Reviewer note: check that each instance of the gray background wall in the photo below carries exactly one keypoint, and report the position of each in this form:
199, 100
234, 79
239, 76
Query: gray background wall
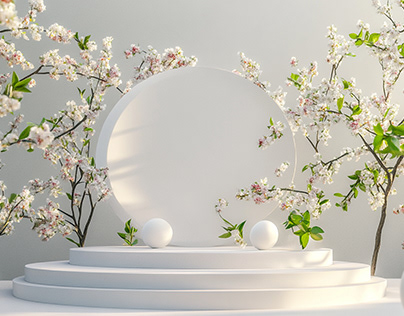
268, 31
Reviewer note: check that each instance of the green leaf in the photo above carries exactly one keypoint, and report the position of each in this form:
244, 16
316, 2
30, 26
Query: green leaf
122, 235
340, 103
305, 168
81, 92
377, 142
362, 186
86, 142
305, 226
375, 175
353, 177
74, 242
378, 129
294, 77
345, 207
88, 129
306, 216
127, 226
25, 133
225, 235
22, 83
127, 242
22, 89
69, 196
240, 227
398, 130
346, 84
92, 162
374, 37
30, 150
339, 195
317, 230
394, 144
304, 240
316, 237
367, 35
353, 35
358, 42
134, 242
227, 222
296, 219
14, 79
355, 191
356, 110
324, 201
288, 225
299, 232
81, 45
12, 198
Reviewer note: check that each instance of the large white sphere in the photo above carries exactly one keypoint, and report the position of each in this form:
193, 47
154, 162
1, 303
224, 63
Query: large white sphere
264, 235
157, 233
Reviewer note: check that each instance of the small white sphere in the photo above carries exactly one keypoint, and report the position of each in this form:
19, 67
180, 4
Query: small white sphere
157, 233
264, 235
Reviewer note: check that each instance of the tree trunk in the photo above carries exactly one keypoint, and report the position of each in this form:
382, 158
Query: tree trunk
378, 239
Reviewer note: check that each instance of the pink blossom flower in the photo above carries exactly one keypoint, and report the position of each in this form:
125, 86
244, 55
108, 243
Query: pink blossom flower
41, 135
59, 33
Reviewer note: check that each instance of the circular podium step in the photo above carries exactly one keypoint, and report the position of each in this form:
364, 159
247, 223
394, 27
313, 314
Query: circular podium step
199, 258
222, 278
202, 299
61, 273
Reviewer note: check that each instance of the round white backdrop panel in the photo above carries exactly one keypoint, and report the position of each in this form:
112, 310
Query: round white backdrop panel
181, 140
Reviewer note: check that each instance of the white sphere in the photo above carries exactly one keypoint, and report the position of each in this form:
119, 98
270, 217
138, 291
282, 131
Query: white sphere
264, 235
157, 233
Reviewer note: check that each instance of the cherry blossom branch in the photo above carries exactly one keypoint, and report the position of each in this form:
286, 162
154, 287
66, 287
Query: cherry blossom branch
72, 128
92, 207
377, 158
334, 159
37, 71
312, 144
293, 190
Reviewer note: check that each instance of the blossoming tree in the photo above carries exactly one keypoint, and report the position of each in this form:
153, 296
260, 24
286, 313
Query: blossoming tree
373, 120
65, 138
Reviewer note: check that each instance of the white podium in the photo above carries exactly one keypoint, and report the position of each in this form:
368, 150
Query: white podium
196, 279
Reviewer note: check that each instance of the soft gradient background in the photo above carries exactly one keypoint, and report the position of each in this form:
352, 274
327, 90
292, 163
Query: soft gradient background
268, 31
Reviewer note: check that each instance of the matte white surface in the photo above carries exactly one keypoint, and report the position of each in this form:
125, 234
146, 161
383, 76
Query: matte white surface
264, 235
388, 305
199, 258
181, 140
216, 299
63, 273
217, 278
